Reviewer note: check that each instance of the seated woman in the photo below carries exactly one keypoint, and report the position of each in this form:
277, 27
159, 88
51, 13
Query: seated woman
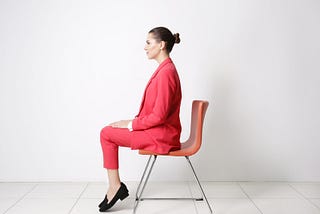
157, 126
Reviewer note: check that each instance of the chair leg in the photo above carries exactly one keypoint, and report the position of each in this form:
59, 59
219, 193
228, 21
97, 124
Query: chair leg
198, 182
144, 173
138, 195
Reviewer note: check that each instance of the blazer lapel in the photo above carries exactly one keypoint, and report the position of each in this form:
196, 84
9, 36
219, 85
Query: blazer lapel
150, 80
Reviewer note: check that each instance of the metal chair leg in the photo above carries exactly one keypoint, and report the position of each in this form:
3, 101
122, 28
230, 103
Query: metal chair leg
138, 195
144, 173
199, 185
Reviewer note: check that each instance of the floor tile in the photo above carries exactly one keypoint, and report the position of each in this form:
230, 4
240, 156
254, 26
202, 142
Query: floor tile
269, 190
90, 206
286, 206
218, 190
308, 190
6, 203
167, 189
224, 197
98, 190
15, 190
167, 207
43, 205
57, 190
228, 206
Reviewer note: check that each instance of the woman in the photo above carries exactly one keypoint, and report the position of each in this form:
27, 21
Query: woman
157, 126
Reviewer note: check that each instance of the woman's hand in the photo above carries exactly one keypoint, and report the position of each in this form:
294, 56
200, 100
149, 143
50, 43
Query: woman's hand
120, 124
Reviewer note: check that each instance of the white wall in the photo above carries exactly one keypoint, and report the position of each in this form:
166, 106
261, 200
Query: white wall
68, 68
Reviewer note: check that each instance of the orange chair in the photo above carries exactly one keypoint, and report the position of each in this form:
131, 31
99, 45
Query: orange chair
188, 148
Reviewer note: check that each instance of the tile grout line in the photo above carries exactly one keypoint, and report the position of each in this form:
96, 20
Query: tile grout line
22, 197
307, 199
75, 203
193, 201
249, 197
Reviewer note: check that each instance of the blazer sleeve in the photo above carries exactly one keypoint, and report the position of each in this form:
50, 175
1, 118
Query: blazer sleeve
166, 86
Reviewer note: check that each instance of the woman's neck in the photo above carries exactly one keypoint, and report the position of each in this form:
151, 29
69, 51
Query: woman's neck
162, 57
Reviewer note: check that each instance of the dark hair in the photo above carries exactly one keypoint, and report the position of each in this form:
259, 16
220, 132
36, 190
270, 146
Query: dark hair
164, 34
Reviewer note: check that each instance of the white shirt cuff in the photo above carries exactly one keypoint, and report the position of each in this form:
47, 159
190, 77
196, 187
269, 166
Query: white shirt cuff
130, 126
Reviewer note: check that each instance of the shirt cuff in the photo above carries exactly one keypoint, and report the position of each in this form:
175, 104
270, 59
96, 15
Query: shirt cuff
130, 126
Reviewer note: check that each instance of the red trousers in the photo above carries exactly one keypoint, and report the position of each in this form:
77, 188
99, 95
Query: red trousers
112, 138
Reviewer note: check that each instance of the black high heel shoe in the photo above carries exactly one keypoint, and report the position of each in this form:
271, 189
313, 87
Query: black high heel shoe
121, 194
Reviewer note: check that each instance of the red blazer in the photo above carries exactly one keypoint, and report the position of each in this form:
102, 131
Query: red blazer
160, 109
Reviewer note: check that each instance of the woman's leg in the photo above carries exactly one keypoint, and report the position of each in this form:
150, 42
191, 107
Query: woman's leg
111, 139
114, 183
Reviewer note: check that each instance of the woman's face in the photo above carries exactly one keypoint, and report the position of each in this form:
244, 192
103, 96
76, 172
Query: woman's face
152, 47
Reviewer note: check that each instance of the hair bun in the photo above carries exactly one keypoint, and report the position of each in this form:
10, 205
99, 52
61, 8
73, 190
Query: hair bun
176, 38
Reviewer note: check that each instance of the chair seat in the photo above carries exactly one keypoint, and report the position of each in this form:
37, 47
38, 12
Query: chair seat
187, 149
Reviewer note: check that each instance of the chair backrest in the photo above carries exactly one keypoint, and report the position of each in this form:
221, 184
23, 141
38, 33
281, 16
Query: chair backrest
193, 144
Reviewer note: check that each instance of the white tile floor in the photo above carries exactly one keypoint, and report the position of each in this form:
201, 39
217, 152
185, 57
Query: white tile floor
224, 197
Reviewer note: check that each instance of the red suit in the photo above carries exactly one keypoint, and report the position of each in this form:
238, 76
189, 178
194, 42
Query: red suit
157, 127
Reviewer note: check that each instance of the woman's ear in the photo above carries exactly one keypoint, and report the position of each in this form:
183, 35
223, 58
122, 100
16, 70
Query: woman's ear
162, 45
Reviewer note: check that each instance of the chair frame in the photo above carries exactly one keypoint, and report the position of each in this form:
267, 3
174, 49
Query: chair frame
145, 178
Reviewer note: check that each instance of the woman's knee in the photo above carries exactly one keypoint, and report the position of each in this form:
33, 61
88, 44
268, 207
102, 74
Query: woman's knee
104, 133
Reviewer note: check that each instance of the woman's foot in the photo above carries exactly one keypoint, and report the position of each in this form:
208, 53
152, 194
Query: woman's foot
110, 194
108, 202
105, 199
